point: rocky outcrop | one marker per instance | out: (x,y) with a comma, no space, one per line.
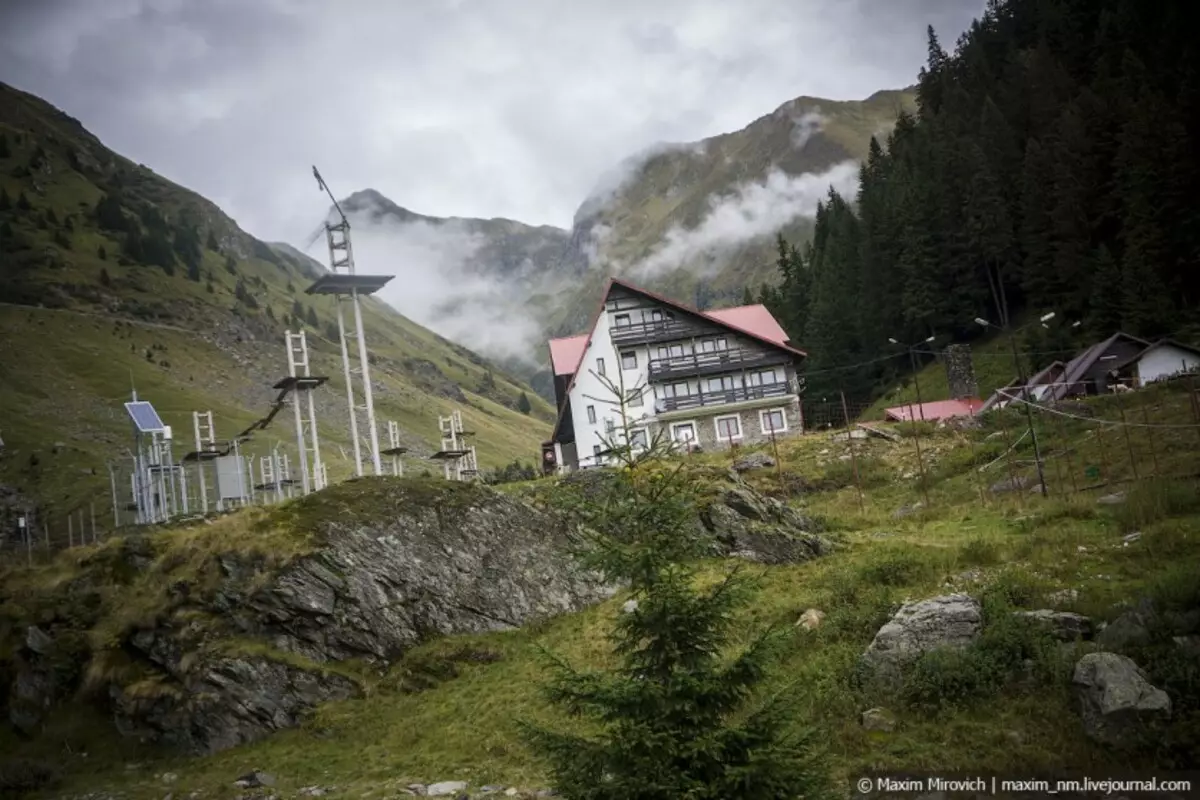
(742,522)
(752,526)
(948,621)
(247,639)
(1118,705)
(1065,626)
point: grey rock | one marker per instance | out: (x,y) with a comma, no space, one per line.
(37,640)
(1118,705)
(753,461)
(379,583)
(749,525)
(1018,483)
(1130,629)
(1063,597)
(947,621)
(254,779)
(878,719)
(444,788)
(1065,626)
(1131,537)
(1113,499)
(906,510)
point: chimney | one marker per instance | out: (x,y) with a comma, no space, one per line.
(960,372)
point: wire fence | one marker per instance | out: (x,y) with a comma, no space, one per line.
(1099,445)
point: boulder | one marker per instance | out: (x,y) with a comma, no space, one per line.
(753,461)
(947,621)
(1065,626)
(878,719)
(1119,707)
(750,525)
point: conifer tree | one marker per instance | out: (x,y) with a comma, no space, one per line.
(523,404)
(669,716)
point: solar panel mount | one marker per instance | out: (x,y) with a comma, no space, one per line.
(144,416)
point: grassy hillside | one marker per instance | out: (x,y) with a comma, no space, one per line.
(111,275)
(455,717)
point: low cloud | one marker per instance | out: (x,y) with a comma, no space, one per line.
(441,285)
(614,180)
(755,210)
(805,125)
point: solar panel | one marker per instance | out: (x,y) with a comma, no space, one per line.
(144,417)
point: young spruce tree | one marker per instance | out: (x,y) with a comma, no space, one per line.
(670,720)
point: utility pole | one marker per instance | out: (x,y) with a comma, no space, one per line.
(1012,339)
(912,360)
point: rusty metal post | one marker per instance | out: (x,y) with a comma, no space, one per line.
(853,456)
(1128,441)
(1150,434)
(1062,435)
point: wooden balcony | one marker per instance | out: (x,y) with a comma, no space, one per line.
(714,362)
(723,397)
(659,330)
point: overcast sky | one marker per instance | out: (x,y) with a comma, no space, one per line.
(488,108)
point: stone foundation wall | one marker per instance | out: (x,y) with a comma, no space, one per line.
(960,371)
(749,424)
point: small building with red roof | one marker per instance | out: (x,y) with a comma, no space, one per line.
(699,378)
(935,411)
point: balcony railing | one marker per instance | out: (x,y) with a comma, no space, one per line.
(722,397)
(707,363)
(659,330)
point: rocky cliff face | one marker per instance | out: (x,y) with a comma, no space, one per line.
(218,633)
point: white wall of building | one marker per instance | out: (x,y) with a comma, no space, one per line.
(1164,361)
(590,390)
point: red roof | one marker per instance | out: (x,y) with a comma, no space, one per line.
(756,319)
(566,353)
(938,409)
(770,334)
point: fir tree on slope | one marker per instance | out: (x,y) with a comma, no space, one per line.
(669,720)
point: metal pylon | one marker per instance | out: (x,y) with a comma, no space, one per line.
(304,407)
(206,440)
(394,447)
(341,261)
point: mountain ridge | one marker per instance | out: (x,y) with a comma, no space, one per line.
(112,276)
(692,220)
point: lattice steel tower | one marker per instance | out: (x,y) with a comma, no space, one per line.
(347,287)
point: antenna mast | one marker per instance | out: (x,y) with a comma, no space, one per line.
(347,286)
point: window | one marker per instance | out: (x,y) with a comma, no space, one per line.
(656,315)
(596,452)
(773,419)
(721,383)
(714,345)
(764,377)
(610,427)
(683,432)
(600,367)
(629,360)
(728,428)
(591,412)
(675,389)
(621,320)
(639,439)
(635,397)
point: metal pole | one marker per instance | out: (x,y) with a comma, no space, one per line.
(92,511)
(237,454)
(916,432)
(853,456)
(70,530)
(1067,450)
(1150,432)
(200,461)
(318,472)
(183,484)
(1128,443)
(366,379)
(297,413)
(46,534)
(1037,453)
(112,479)
(341,319)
